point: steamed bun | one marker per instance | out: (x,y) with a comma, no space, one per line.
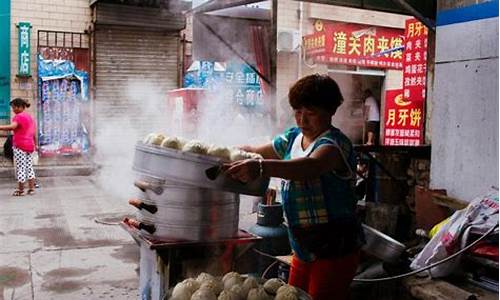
(148,138)
(195,146)
(230,274)
(272,285)
(204,294)
(238,291)
(258,294)
(222,152)
(185,288)
(172,142)
(227,295)
(286,288)
(157,139)
(231,281)
(249,284)
(237,154)
(181,295)
(203,276)
(212,284)
(286,296)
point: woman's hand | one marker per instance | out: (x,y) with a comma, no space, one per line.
(244,170)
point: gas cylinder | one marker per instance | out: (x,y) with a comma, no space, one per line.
(274,236)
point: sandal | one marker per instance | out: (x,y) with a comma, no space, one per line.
(31,192)
(18,193)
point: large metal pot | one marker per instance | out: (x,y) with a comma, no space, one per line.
(381,245)
(189,169)
(180,212)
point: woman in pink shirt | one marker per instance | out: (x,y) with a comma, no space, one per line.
(23,145)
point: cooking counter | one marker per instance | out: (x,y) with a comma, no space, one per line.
(165,262)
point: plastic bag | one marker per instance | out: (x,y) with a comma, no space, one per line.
(35,158)
(479,216)
(437,227)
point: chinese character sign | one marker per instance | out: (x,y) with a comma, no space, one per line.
(4,62)
(245,85)
(415,61)
(24,59)
(403,120)
(355,44)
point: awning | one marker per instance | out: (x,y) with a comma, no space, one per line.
(423,10)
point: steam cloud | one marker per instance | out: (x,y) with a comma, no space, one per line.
(219,121)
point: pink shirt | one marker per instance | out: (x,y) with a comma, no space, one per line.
(24,134)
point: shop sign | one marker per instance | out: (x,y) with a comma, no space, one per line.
(24,56)
(415,61)
(403,120)
(355,44)
(4,62)
(245,85)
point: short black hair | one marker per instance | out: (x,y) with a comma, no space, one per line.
(316,91)
(19,102)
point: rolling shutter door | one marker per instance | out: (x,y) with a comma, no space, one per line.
(134,70)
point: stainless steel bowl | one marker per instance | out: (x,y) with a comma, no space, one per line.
(189,169)
(381,245)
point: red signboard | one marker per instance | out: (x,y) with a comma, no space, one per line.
(403,120)
(415,61)
(355,44)
(405,109)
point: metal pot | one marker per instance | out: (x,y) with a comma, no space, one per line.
(189,169)
(381,245)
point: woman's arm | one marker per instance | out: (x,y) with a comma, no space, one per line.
(324,159)
(267,150)
(8,127)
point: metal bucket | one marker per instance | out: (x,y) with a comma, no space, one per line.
(189,213)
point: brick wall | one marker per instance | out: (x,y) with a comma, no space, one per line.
(62,15)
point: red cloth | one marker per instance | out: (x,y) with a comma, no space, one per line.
(325,279)
(485,249)
(24,134)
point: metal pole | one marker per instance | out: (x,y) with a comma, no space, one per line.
(429,23)
(235,52)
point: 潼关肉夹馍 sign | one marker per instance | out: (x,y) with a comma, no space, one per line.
(355,44)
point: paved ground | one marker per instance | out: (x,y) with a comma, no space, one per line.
(53,248)
(54,244)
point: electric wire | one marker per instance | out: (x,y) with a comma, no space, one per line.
(373,280)
(431,265)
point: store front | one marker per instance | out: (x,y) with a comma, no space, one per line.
(360,58)
(137,58)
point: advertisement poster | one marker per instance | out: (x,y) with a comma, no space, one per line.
(64,109)
(403,120)
(355,44)
(245,85)
(415,61)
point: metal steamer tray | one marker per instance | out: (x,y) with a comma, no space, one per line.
(189,168)
(186,212)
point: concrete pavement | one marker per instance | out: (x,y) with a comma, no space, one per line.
(61,242)
(53,248)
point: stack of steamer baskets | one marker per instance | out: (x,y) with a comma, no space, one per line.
(178,202)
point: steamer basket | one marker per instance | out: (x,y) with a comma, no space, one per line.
(188,212)
(189,169)
(185,232)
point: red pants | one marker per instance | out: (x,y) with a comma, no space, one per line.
(325,279)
